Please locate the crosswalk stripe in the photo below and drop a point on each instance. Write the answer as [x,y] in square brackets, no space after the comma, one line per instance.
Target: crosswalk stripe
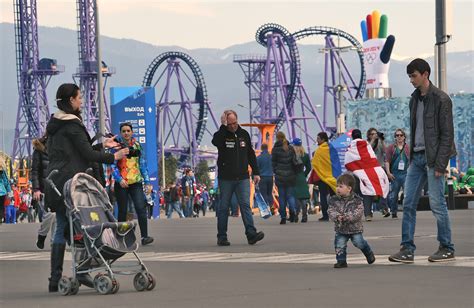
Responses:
[245,257]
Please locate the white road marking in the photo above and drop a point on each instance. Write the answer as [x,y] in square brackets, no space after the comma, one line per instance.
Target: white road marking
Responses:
[245,257]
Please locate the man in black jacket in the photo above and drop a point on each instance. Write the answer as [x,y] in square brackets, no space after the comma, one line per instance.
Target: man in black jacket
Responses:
[235,154]
[431,145]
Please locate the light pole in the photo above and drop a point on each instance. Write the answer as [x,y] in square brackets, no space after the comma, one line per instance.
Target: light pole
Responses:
[100,82]
[163,172]
[191,146]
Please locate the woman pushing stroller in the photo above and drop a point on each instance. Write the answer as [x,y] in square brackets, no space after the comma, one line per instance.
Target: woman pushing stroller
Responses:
[70,151]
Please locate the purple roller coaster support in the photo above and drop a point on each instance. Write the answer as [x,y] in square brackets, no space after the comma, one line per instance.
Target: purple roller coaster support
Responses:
[33,76]
[283,98]
[87,71]
[181,119]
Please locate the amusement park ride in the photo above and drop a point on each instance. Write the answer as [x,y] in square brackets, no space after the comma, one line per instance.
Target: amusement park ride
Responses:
[33,74]
[277,95]
[276,92]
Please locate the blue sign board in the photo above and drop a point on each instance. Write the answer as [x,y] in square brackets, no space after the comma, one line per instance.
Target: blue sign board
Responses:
[136,105]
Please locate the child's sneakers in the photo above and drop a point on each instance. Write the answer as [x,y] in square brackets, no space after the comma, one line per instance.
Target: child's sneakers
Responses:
[370,258]
[340,264]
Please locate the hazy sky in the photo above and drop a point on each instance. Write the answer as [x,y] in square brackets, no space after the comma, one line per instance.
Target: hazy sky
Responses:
[219,24]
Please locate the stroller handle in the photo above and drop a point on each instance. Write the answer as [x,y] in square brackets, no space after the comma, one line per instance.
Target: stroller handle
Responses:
[50,181]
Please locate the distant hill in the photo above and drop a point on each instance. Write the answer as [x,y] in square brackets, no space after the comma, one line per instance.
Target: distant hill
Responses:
[224,79]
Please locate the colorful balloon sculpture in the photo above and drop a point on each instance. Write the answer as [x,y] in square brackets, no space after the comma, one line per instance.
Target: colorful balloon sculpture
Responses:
[377,49]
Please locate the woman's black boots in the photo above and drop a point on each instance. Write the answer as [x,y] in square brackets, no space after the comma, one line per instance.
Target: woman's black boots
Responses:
[57,260]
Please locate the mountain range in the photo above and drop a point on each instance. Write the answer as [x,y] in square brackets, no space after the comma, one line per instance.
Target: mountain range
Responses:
[224,79]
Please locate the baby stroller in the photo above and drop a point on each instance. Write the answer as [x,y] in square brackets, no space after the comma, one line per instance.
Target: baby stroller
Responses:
[98,240]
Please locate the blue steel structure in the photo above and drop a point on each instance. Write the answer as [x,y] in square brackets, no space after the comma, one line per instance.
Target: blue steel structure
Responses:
[33,76]
[87,72]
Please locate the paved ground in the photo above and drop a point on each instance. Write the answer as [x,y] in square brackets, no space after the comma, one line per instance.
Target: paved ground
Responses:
[292,267]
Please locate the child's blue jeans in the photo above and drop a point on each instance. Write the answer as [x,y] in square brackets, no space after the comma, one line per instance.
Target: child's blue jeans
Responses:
[340,244]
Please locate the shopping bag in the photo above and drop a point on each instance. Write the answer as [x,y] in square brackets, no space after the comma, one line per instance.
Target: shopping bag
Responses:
[262,205]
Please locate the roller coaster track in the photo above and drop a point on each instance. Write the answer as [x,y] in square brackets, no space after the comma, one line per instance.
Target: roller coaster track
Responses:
[201,96]
[295,66]
[336,32]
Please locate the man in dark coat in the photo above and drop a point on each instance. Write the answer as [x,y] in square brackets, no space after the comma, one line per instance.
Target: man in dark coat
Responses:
[431,147]
[235,154]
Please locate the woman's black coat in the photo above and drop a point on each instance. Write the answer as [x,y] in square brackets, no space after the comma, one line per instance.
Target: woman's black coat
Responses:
[70,151]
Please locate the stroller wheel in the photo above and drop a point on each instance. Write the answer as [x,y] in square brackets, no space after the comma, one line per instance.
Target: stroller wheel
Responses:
[74,286]
[116,286]
[64,286]
[151,280]
[141,282]
[103,284]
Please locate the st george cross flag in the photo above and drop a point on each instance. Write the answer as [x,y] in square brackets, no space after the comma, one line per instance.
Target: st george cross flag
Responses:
[361,160]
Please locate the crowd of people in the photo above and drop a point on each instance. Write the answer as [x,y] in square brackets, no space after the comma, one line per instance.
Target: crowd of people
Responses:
[376,174]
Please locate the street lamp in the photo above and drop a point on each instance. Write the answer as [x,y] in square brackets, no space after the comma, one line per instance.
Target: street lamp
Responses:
[191,146]
[162,119]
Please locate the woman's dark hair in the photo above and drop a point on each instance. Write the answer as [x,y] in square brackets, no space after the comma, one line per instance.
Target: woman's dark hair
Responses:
[323,136]
[369,131]
[419,65]
[65,92]
[126,124]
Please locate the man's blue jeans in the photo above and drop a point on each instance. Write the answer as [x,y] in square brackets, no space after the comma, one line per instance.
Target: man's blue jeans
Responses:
[340,244]
[242,192]
[418,173]
[175,206]
[286,194]
[395,186]
[188,206]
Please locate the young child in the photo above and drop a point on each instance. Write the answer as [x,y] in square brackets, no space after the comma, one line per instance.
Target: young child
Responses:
[347,210]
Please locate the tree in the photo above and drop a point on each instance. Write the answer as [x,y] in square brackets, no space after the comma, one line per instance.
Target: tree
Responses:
[171,165]
[202,173]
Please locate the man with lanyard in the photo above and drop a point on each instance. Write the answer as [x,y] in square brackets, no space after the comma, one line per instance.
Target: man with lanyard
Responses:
[188,184]
[397,156]
[129,174]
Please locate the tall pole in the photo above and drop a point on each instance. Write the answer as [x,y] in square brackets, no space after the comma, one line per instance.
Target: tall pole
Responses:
[163,184]
[442,37]
[100,81]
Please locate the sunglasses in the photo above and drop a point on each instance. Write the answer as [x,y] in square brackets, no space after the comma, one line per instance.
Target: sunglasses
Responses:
[399,135]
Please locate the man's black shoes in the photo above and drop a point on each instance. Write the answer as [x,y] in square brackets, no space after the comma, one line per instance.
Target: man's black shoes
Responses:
[223,242]
[255,238]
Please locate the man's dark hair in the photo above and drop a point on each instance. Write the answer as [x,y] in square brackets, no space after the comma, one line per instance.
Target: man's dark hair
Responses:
[356,134]
[126,124]
[347,179]
[419,65]
[264,147]
[323,136]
